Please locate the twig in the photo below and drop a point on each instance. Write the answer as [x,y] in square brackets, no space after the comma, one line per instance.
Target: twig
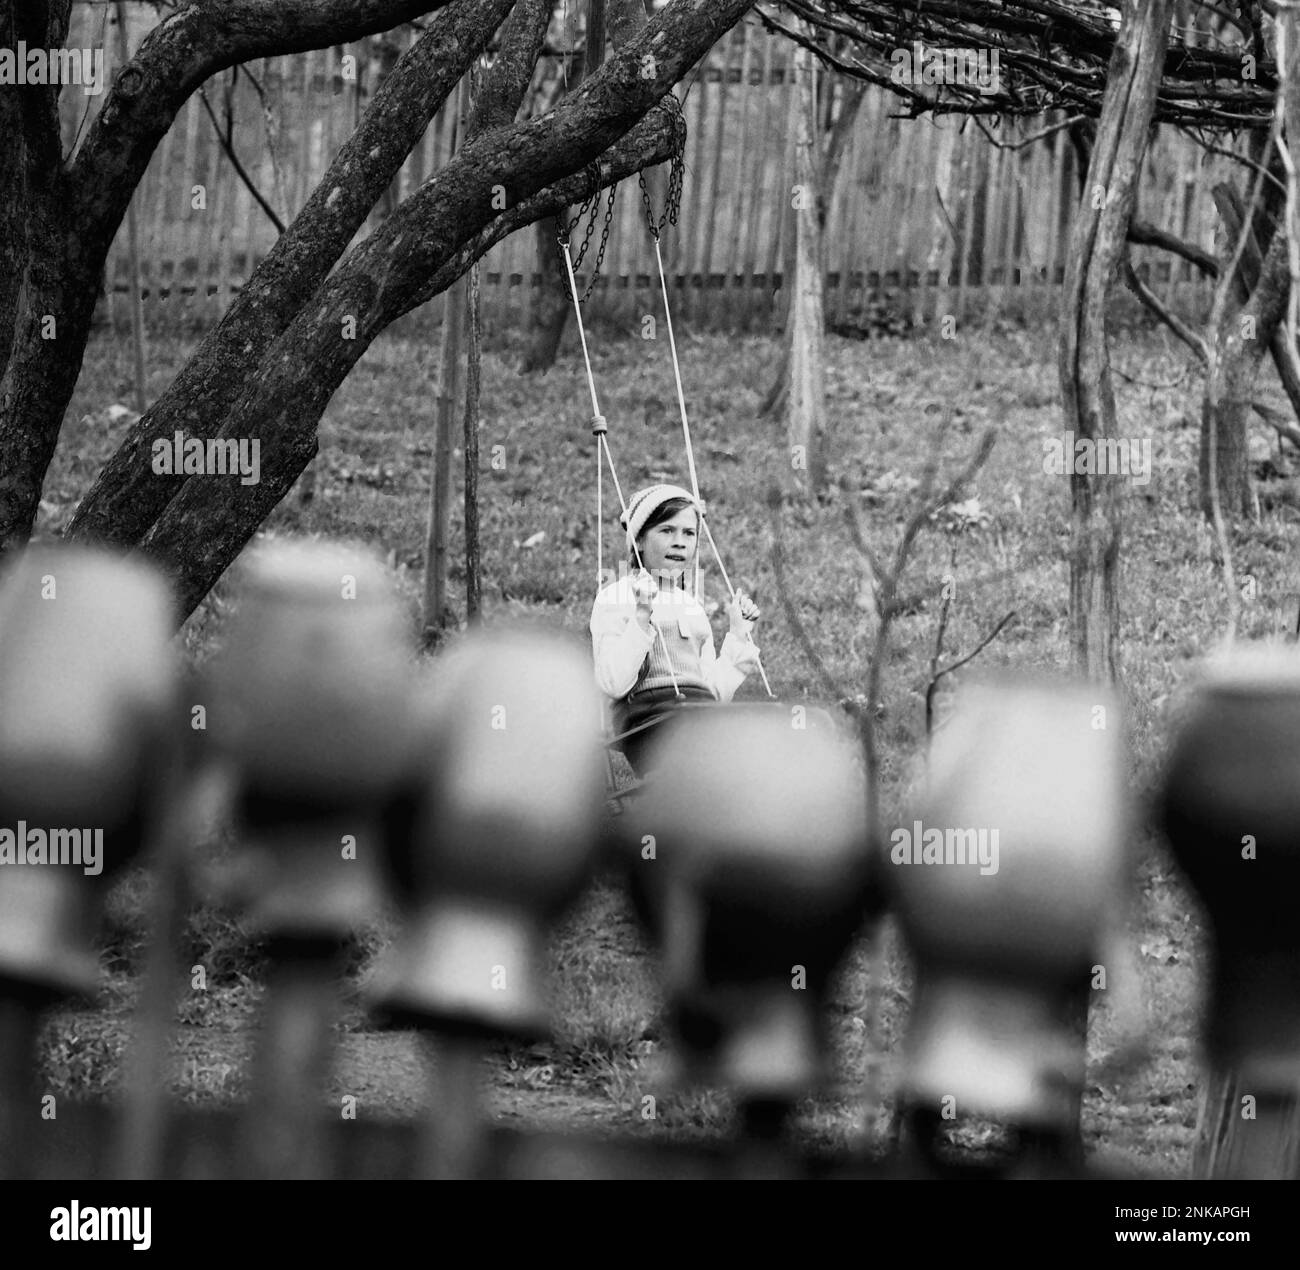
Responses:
[936,675]
[979,648]
[930,506]
[1258,168]
[1157,306]
[938,652]
[227,144]
[1035,136]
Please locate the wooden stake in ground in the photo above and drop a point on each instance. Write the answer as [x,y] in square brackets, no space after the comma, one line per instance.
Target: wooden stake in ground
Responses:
[1231,824]
[453,325]
[435,556]
[473,580]
[133,251]
[806,414]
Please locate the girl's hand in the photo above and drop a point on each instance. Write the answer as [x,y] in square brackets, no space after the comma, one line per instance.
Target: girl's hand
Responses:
[645,588]
[742,613]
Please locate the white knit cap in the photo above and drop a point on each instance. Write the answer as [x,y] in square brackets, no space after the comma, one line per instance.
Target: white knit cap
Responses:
[645,502]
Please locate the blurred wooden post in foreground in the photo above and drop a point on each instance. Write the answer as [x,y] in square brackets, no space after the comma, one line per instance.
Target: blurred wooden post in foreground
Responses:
[1230,808]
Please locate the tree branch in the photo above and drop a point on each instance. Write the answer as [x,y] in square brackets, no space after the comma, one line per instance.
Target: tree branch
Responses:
[177,56]
[1147,235]
[1153,303]
[226,140]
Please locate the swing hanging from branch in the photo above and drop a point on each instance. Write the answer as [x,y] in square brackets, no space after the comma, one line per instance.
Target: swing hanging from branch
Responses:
[599,424]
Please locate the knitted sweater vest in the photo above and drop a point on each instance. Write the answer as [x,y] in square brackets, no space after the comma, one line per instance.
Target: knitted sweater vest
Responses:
[683,652]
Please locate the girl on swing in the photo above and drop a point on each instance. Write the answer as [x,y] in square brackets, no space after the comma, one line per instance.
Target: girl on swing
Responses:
[652,641]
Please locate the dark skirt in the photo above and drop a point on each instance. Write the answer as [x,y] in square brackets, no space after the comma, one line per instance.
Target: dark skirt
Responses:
[649,707]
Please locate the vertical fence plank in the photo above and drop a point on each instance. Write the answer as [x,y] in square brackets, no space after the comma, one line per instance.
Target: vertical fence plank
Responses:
[181,237]
[782,209]
[692,232]
[738,187]
[1062,207]
[1038,214]
[989,249]
[709,266]
[207,220]
[302,168]
[889,202]
[970,184]
[155,217]
[865,228]
[850,204]
[756,193]
[227,206]
[942,242]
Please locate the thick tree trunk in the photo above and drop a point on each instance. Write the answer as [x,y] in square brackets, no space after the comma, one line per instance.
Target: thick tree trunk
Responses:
[1231,209]
[45,310]
[1251,323]
[549,304]
[1225,415]
[128,496]
[72,213]
[1088,394]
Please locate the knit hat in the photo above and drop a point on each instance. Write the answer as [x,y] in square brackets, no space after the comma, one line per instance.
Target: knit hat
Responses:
[645,502]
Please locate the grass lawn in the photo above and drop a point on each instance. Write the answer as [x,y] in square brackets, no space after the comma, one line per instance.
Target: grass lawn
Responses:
[888,400]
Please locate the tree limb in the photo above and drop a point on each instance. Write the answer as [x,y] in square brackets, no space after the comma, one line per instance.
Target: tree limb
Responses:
[227,142]
[1147,235]
[1153,303]
[179,54]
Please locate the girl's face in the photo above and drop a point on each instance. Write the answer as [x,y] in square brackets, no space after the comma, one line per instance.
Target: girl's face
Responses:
[669,548]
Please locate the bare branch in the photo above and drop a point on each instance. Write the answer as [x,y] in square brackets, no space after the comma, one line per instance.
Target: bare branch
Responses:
[1157,306]
[1278,422]
[1144,234]
[176,57]
[226,140]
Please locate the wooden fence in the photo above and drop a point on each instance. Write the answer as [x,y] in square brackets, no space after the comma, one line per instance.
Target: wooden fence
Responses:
[928,216]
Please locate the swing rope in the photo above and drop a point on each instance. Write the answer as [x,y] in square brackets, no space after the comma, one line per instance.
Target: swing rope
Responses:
[600,430]
[670,215]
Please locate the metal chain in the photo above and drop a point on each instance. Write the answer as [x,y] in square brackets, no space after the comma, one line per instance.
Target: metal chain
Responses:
[676,174]
[604,240]
[589,208]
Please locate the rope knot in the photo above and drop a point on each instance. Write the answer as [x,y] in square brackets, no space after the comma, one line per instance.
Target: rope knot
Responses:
[598,425]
